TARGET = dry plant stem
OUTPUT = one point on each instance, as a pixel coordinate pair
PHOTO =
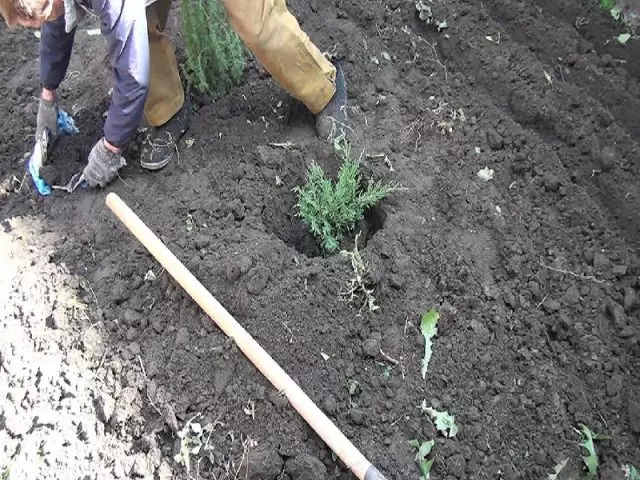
(321, 424)
(573, 274)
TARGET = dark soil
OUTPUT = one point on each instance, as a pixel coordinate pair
(536, 273)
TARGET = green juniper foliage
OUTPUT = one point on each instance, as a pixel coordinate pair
(332, 209)
(215, 53)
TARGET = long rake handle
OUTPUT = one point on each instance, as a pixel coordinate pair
(321, 424)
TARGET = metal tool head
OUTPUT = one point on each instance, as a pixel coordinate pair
(75, 182)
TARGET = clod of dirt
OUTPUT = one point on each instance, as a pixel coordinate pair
(132, 317)
(105, 406)
(607, 158)
(551, 183)
(634, 415)
(258, 281)
(600, 260)
(182, 336)
(264, 463)
(305, 467)
(357, 416)
(456, 465)
(630, 299)
(329, 405)
(140, 466)
(164, 471)
(125, 405)
(616, 314)
(371, 346)
(494, 139)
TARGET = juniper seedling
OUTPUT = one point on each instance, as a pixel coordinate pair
(215, 54)
(329, 209)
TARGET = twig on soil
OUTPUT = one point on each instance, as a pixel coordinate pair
(286, 145)
(144, 374)
(284, 324)
(389, 359)
(543, 300)
(573, 274)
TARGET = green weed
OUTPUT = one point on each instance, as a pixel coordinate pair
(215, 54)
(445, 423)
(329, 209)
(631, 472)
(590, 458)
(194, 444)
(429, 330)
(423, 451)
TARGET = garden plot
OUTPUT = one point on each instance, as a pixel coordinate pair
(532, 266)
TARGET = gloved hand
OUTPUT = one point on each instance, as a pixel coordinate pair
(103, 165)
(47, 118)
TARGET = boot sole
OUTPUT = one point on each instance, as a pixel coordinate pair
(155, 166)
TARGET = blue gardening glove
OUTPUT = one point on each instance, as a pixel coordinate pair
(103, 165)
(48, 118)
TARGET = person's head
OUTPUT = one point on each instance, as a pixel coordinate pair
(30, 13)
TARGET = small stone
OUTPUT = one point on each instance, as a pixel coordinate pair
(134, 349)
(627, 332)
(620, 270)
(140, 466)
(551, 183)
(264, 463)
(616, 314)
(132, 317)
(305, 467)
(182, 336)
(104, 405)
(606, 60)
(232, 272)
(132, 334)
(630, 299)
(157, 326)
(607, 158)
(330, 405)
(279, 401)
(572, 58)
(56, 320)
(397, 281)
(551, 305)
(614, 385)
(600, 260)
(571, 296)
(244, 264)
(258, 281)
(494, 139)
(634, 415)
(164, 471)
(371, 347)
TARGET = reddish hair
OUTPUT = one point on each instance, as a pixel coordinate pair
(16, 11)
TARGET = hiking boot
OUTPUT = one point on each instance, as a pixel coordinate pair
(160, 145)
(331, 121)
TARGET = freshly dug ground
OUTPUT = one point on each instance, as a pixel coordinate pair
(535, 273)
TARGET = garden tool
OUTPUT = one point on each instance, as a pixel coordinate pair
(321, 424)
(39, 155)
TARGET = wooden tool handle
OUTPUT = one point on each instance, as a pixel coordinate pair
(320, 423)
